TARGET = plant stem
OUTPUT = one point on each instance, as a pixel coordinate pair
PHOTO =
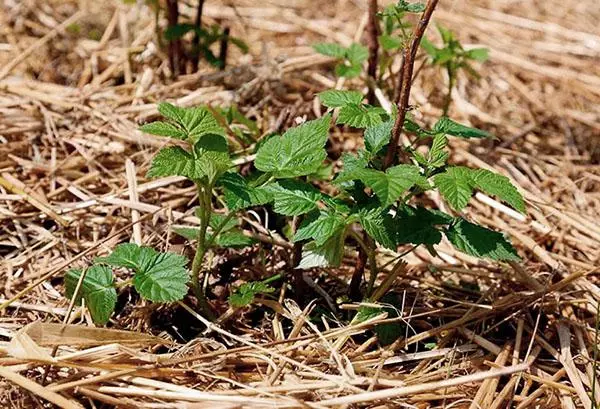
(204, 197)
(196, 39)
(451, 82)
(403, 92)
(372, 34)
(174, 45)
(373, 43)
(223, 48)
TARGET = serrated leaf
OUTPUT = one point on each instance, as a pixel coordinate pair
(390, 185)
(480, 242)
(164, 129)
(97, 290)
(405, 6)
(357, 53)
(330, 49)
(438, 156)
(360, 116)
(378, 136)
(211, 156)
(164, 279)
(293, 197)
(245, 294)
(417, 225)
(300, 151)
(447, 126)
(159, 277)
(334, 98)
(194, 122)
(173, 161)
(499, 186)
(456, 185)
(240, 195)
(217, 220)
(320, 228)
(329, 254)
(379, 224)
(177, 31)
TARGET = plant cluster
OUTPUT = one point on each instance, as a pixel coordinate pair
(365, 204)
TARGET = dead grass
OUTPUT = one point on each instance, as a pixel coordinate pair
(76, 80)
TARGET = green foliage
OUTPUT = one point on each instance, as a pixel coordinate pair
(300, 151)
(96, 289)
(334, 98)
(246, 293)
(159, 277)
(447, 126)
(480, 242)
(293, 197)
(350, 59)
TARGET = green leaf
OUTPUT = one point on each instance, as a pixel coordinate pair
(97, 290)
(209, 159)
(293, 197)
(438, 156)
(390, 185)
(379, 224)
(173, 161)
(405, 6)
(300, 151)
(234, 238)
(245, 294)
(164, 129)
(429, 47)
(378, 136)
(334, 98)
(357, 53)
(321, 228)
(178, 31)
(159, 277)
(190, 233)
(389, 42)
(456, 185)
(195, 122)
(417, 225)
(480, 242)
(217, 220)
(350, 165)
(447, 126)
(330, 49)
(239, 195)
(348, 70)
(360, 116)
(328, 254)
(499, 186)
(478, 54)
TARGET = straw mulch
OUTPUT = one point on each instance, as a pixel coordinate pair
(77, 79)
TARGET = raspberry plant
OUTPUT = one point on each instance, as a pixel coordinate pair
(371, 200)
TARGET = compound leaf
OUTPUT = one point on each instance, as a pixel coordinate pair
(480, 242)
(97, 290)
(300, 151)
(379, 224)
(357, 53)
(164, 129)
(417, 225)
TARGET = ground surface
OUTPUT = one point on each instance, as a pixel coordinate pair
(77, 79)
